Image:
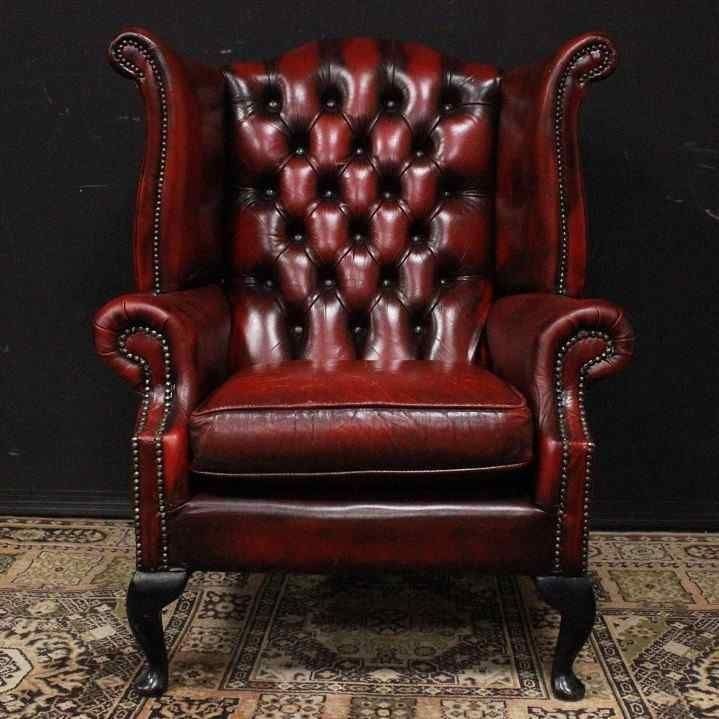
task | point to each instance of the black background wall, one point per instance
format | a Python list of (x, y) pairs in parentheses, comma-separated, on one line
[(71, 142)]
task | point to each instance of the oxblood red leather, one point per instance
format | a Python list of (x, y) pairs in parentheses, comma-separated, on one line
[(364, 182), (196, 325), (541, 222), (185, 164), (525, 335), (496, 531), (361, 418), (328, 248)]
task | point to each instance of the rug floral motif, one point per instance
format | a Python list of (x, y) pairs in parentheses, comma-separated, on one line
[(276, 646)]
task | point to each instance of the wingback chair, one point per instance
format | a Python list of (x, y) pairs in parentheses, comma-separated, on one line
[(357, 330)]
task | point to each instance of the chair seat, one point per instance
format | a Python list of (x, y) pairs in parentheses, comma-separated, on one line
[(361, 418)]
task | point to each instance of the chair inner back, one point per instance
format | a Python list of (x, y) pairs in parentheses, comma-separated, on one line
[(363, 181)]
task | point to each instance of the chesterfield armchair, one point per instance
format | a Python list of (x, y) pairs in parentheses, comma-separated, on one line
[(358, 332)]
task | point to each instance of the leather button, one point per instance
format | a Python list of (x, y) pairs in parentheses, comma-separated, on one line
[(299, 141), (361, 144), (450, 99), (328, 186), (418, 329), (329, 282), (269, 284), (295, 230), (390, 186), (330, 98), (270, 192), (273, 106), (391, 99), (297, 330), (359, 230), (357, 330), (386, 282), (422, 145), (419, 232)]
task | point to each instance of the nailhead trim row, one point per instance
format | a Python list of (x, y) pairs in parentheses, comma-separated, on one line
[(593, 74), (168, 391), (139, 75), (562, 422)]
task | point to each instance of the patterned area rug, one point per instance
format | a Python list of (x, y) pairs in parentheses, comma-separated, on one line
[(256, 646)]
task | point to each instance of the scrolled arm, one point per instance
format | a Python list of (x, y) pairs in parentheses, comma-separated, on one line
[(541, 223), (549, 347), (173, 348), (193, 325)]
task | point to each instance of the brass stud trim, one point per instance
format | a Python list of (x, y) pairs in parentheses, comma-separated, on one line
[(167, 396), (559, 394), (139, 75), (595, 73)]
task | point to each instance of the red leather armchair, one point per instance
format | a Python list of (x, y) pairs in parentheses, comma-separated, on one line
[(357, 331)]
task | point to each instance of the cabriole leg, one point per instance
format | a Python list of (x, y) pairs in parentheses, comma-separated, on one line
[(573, 598), (147, 594)]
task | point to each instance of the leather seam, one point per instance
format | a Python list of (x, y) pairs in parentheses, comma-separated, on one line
[(291, 408), (360, 472)]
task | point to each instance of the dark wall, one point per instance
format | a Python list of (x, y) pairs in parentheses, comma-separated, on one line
[(72, 140)]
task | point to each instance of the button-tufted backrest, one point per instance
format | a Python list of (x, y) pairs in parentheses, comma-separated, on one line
[(363, 184)]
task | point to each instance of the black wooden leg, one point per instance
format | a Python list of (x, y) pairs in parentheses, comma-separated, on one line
[(147, 594), (573, 598)]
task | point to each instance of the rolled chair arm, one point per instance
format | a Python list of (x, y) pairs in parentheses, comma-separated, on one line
[(173, 349), (194, 325), (549, 346)]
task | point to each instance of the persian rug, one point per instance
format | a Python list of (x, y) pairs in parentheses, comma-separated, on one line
[(274, 646)]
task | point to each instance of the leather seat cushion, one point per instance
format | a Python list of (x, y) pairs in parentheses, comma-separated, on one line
[(361, 418)]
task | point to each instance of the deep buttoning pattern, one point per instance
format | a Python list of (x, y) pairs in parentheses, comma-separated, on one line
[(364, 203)]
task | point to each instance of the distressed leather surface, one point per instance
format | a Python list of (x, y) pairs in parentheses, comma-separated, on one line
[(359, 417)]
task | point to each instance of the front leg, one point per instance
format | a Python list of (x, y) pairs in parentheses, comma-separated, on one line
[(147, 594), (573, 598)]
